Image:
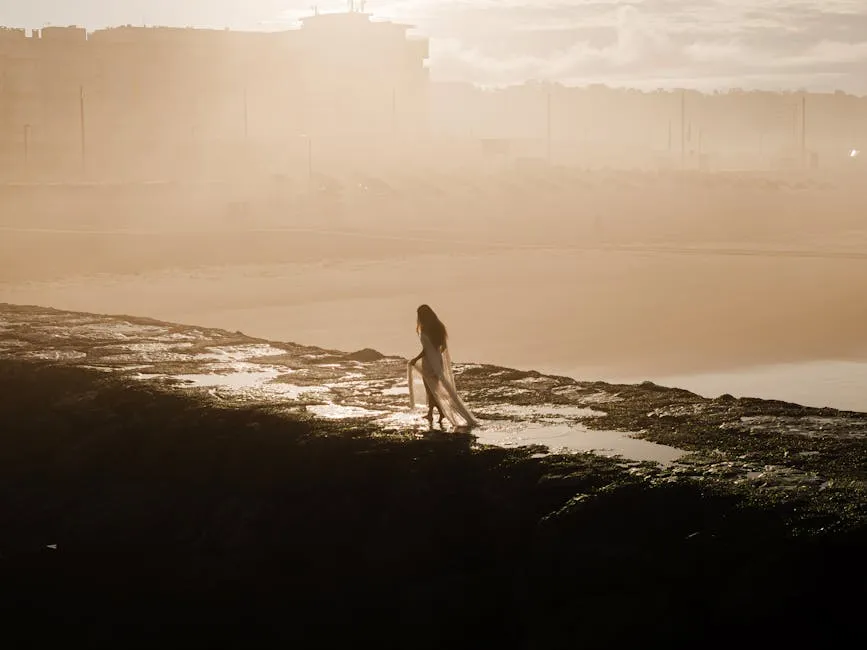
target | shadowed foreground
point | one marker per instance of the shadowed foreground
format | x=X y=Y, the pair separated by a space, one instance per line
x=166 y=509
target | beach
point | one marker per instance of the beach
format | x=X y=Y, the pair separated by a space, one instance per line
x=718 y=283
x=589 y=314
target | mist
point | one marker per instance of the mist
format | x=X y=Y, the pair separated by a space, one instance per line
x=288 y=183
x=529 y=324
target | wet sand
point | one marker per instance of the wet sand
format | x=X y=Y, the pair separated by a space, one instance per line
x=613 y=277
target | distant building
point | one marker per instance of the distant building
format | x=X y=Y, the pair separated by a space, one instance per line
x=338 y=75
x=363 y=76
x=347 y=90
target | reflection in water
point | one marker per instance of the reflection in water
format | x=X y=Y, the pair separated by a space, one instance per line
x=256 y=381
x=557 y=436
x=575 y=437
x=236 y=380
x=652 y=317
x=338 y=412
x=541 y=410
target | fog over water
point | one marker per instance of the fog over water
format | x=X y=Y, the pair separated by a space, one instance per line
x=317 y=181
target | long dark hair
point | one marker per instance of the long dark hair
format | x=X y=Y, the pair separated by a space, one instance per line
x=431 y=326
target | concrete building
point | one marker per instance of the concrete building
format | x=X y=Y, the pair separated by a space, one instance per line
x=155 y=96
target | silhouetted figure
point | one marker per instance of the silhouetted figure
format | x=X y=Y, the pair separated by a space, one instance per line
x=436 y=372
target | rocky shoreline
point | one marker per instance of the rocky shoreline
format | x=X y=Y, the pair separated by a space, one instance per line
x=160 y=472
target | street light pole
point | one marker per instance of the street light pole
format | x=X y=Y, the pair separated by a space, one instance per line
x=26 y=144
x=548 y=126
x=81 y=118
x=682 y=129
x=246 y=114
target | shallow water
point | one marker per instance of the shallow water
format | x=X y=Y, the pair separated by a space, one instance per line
x=837 y=384
x=557 y=411
x=671 y=321
x=338 y=412
x=556 y=429
x=557 y=435
x=236 y=380
x=576 y=437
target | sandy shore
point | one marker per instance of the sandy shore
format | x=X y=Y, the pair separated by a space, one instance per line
x=615 y=275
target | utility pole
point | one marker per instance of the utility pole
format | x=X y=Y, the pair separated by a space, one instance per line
x=682 y=129
x=83 y=138
x=309 y=162
x=26 y=144
x=246 y=115
x=804 y=130
x=548 y=125
x=794 y=124
x=394 y=110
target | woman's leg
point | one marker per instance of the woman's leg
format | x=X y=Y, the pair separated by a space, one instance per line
x=431 y=403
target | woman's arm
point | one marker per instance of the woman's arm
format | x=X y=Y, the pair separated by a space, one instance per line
x=415 y=359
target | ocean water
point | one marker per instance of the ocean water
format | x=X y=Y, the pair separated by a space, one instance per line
x=705 y=325
x=821 y=383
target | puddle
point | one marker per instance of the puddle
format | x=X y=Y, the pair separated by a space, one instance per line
x=542 y=410
x=153 y=347
x=402 y=419
x=505 y=391
x=237 y=380
x=154 y=357
x=55 y=355
x=253 y=379
x=180 y=336
x=600 y=398
x=557 y=437
x=154 y=352
x=113 y=330
x=337 y=412
x=534 y=380
x=291 y=391
x=576 y=438
x=232 y=353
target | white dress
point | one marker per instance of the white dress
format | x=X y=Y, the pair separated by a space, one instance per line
x=435 y=370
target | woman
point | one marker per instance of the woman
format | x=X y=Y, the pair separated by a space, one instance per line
x=436 y=372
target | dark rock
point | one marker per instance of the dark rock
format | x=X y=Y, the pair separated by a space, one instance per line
x=366 y=355
x=177 y=509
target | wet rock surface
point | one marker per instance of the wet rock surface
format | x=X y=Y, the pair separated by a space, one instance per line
x=226 y=476
x=763 y=443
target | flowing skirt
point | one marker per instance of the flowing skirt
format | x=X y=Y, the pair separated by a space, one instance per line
x=435 y=373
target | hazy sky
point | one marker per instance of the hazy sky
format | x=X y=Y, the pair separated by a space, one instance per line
x=816 y=44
